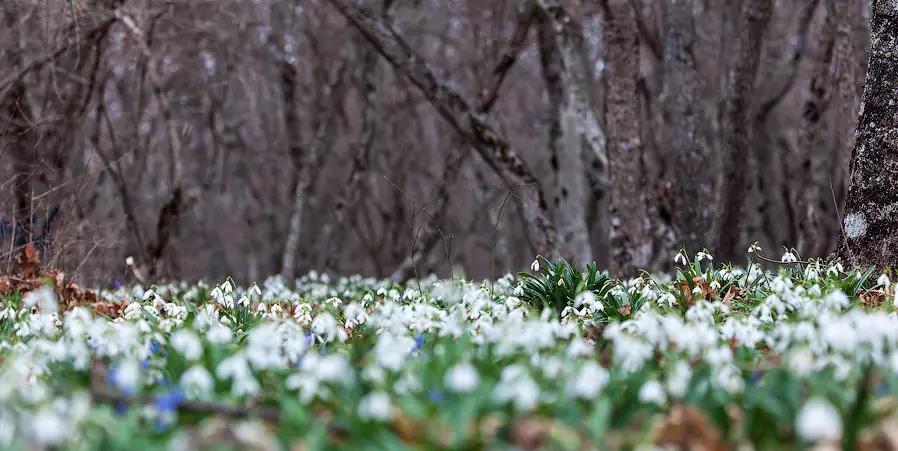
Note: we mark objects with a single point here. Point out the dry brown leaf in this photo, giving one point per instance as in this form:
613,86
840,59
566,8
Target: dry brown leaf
686,427
731,294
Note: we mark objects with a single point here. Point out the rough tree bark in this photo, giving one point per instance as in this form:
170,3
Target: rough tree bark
812,172
474,127
14,129
694,208
630,239
736,126
574,131
870,225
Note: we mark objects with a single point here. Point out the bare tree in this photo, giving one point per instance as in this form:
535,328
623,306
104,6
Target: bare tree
694,208
478,132
630,243
869,227
575,134
736,126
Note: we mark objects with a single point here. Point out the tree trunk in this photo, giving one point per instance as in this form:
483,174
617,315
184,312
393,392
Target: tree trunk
694,207
574,131
736,125
812,171
870,225
473,127
15,131
630,238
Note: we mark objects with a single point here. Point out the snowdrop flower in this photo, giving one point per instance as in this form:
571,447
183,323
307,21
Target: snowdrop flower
680,258
652,393
126,376
188,344
678,379
788,257
197,382
817,420
49,428
754,248
325,325
219,334
462,378
701,255
518,387
254,289
44,298
535,265
589,381
883,280
376,406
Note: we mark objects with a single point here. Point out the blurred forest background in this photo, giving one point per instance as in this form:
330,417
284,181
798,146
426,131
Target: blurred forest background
208,138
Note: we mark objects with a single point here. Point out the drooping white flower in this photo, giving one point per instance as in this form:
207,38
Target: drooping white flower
534,266
197,382
188,344
588,383
462,378
652,392
219,334
818,419
788,257
376,406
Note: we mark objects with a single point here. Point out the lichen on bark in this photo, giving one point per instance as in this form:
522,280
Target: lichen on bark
870,233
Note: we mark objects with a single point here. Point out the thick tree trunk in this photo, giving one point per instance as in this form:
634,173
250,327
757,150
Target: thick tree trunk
630,239
736,126
870,224
574,131
694,207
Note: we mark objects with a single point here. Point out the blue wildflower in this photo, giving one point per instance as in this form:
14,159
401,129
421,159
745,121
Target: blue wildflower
117,283
169,402
145,364
435,395
121,408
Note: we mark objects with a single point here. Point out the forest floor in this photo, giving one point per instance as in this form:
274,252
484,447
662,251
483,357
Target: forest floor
558,358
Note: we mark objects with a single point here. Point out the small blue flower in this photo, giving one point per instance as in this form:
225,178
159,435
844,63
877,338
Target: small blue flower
435,395
156,348
169,402
121,408
145,364
419,343
309,339
117,283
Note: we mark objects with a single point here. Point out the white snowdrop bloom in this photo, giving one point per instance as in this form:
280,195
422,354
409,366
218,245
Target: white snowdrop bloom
44,298
227,288
462,378
219,334
788,257
127,375
332,368
589,381
522,392
48,428
254,289
376,406
391,350
325,325
534,266
678,379
817,420
188,344
801,361
680,258
652,392
243,301
701,255
197,382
